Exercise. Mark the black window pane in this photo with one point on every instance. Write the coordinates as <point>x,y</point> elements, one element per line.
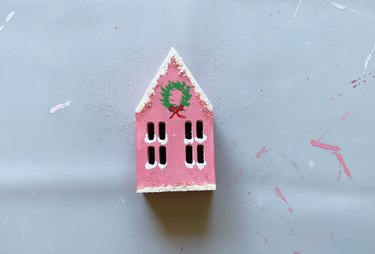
<point>151,155</point>
<point>188,134</point>
<point>162,130</point>
<point>163,155</point>
<point>150,131</point>
<point>189,154</point>
<point>199,129</point>
<point>200,152</point>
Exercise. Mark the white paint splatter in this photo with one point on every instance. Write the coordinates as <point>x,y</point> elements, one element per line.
<point>148,141</point>
<point>297,9</point>
<point>10,16</point>
<point>162,166</point>
<point>151,166</point>
<point>189,165</point>
<point>122,200</point>
<point>311,164</point>
<point>7,19</point>
<point>343,7</point>
<point>201,140</point>
<point>59,106</point>
<point>355,11</point>
<point>163,141</point>
<point>188,141</point>
<point>337,5</point>
<point>201,165</point>
<point>368,60</point>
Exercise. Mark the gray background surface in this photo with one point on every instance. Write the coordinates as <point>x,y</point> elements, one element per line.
<point>277,75</point>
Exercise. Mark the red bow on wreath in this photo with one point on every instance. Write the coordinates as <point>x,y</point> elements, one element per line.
<point>175,111</point>
<point>184,101</point>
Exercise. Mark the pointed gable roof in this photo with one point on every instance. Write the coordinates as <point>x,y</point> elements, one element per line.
<point>163,71</point>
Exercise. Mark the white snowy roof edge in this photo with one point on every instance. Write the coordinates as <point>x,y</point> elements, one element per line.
<point>162,71</point>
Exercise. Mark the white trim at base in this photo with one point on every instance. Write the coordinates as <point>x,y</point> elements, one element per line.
<point>171,188</point>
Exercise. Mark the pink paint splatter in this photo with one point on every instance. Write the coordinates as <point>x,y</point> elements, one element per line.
<point>280,195</point>
<point>338,176</point>
<point>343,164</point>
<point>345,115</point>
<point>357,82</point>
<point>354,83</point>
<point>296,252</point>
<point>261,152</point>
<point>316,143</point>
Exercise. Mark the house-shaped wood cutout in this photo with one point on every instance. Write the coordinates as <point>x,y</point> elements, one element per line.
<point>175,132</point>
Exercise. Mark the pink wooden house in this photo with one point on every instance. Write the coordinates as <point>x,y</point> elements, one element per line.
<point>175,132</point>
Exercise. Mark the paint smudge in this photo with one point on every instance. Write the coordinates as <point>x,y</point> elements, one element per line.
<point>333,238</point>
<point>297,9</point>
<point>280,195</point>
<point>295,166</point>
<point>325,146</point>
<point>337,96</point>
<point>339,6</point>
<point>296,252</point>
<point>343,164</point>
<point>343,7</point>
<point>368,59</point>
<point>324,134</point>
<point>311,164</point>
<point>257,201</point>
<point>10,16</point>
<point>183,246</point>
<point>344,116</point>
<point>357,82</point>
<point>7,19</point>
<point>294,233</point>
<point>338,176</point>
<point>261,152</point>
<point>59,106</point>
<point>263,237</point>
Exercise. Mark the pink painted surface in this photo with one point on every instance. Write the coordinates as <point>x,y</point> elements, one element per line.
<point>175,173</point>
<point>262,151</point>
<point>325,146</point>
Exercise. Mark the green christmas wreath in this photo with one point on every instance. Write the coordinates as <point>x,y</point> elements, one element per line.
<point>185,98</point>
